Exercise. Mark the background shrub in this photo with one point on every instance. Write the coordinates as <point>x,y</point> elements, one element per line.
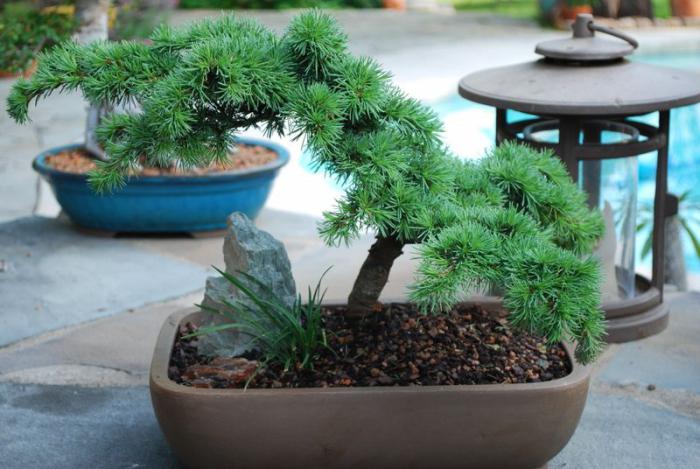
<point>279,4</point>
<point>25,30</point>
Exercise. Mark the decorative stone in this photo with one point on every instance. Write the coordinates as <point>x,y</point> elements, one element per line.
<point>227,370</point>
<point>257,253</point>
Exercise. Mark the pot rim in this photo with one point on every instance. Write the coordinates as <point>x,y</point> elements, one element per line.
<point>159,380</point>
<point>40,166</point>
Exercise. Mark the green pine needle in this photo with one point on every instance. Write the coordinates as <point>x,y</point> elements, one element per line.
<point>513,219</point>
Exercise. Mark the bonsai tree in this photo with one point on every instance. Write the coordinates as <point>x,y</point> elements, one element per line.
<point>513,220</point>
<point>190,89</point>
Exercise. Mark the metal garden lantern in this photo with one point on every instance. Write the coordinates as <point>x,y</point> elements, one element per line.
<point>583,100</point>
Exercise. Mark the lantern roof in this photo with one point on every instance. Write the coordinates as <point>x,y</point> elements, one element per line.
<point>584,76</point>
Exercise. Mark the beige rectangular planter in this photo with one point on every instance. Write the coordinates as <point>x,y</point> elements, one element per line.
<point>479,426</point>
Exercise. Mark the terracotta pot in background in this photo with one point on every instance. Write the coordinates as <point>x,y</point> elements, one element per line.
<point>394,4</point>
<point>684,8</point>
<point>571,12</point>
<point>28,72</point>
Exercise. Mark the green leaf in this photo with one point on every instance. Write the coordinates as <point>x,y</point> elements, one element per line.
<point>693,237</point>
<point>646,248</point>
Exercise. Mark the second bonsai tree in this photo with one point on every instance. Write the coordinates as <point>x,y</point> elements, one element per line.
<point>513,220</point>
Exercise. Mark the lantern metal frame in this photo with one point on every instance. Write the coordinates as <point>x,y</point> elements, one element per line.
<point>644,314</point>
<point>583,86</point>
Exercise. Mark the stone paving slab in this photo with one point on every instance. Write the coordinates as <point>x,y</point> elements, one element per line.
<point>70,427</point>
<point>58,120</point>
<point>671,358</point>
<point>112,351</point>
<point>54,277</point>
<point>618,432</point>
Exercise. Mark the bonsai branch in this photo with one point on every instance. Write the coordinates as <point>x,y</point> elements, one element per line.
<point>373,276</point>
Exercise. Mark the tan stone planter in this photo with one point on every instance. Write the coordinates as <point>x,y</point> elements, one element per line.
<point>571,12</point>
<point>25,74</point>
<point>685,8</point>
<point>481,426</point>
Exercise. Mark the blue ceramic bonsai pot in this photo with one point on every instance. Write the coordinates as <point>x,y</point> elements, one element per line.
<point>149,204</point>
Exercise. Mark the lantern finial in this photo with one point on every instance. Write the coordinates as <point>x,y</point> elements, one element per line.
<point>585,46</point>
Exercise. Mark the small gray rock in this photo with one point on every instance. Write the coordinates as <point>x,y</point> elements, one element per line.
<point>256,252</point>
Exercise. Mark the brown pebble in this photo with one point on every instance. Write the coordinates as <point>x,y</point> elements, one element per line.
<point>383,352</point>
<point>243,157</point>
<point>385,380</point>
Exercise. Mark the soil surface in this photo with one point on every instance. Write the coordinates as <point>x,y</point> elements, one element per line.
<point>246,156</point>
<point>397,347</point>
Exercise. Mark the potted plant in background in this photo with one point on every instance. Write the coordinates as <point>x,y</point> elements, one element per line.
<point>570,9</point>
<point>173,188</point>
<point>24,32</point>
<point>685,8</point>
<point>434,382</point>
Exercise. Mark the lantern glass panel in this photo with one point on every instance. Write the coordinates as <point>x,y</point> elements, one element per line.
<point>612,187</point>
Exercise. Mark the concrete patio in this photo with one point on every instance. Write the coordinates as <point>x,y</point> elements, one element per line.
<point>79,315</point>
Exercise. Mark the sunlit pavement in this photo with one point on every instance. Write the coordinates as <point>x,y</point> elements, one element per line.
<point>79,315</point>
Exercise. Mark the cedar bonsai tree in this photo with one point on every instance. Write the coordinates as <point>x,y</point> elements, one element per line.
<point>513,220</point>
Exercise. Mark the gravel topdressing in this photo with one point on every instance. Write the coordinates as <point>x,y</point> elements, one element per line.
<point>396,347</point>
<point>246,156</point>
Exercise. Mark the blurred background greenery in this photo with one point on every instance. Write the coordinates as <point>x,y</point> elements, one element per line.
<point>29,26</point>
<point>279,4</point>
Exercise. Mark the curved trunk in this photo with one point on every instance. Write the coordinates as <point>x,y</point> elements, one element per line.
<point>373,276</point>
<point>92,16</point>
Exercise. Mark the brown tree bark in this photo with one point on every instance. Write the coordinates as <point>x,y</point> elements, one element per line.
<point>92,17</point>
<point>373,276</point>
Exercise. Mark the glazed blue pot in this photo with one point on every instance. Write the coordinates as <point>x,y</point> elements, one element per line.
<point>149,204</point>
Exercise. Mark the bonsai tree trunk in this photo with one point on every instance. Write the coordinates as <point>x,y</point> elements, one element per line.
<point>92,17</point>
<point>373,276</point>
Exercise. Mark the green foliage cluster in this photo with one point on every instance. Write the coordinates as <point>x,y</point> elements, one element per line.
<point>193,88</point>
<point>24,31</point>
<point>380,144</point>
<point>291,336</point>
<point>278,4</point>
<point>523,227</point>
<point>512,220</point>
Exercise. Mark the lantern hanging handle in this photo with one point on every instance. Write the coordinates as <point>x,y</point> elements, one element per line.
<point>613,32</point>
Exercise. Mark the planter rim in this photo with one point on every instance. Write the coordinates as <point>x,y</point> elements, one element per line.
<point>40,166</point>
<point>158,374</point>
